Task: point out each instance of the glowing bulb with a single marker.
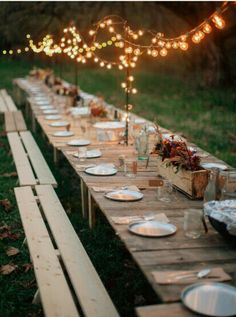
(131, 78)
(207, 28)
(154, 40)
(183, 38)
(140, 33)
(88, 54)
(91, 32)
(218, 21)
(104, 44)
(183, 46)
(161, 43)
(63, 39)
(109, 22)
(65, 30)
(84, 61)
(11, 52)
(26, 49)
(4, 52)
(123, 85)
(113, 38)
(78, 59)
(19, 51)
(95, 59)
(135, 58)
(149, 51)
(102, 64)
(28, 36)
(109, 42)
(132, 65)
(111, 29)
(121, 57)
(163, 52)
(108, 66)
(168, 45)
(137, 51)
(102, 25)
(118, 36)
(134, 91)
(154, 53)
(81, 50)
(121, 67)
(175, 45)
(128, 50)
(135, 36)
(93, 48)
(121, 44)
(99, 46)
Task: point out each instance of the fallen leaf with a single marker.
(5, 227)
(12, 174)
(11, 251)
(27, 267)
(6, 204)
(29, 284)
(4, 235)
(8, 269)
(9, 235)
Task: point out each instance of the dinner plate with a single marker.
(101, 170)
(63, 133)
(83, 111)
(124, 195)
(78, 142)
(90, 154)
(214, 165)
(152, 228)
(109, 125)
(59, 124)
(50, 111)
(53, 117)
(210, 299)
(46, 107)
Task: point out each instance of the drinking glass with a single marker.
(164, 191)
(130, 168)
(229, 188)
(193, 225)
(82, 154)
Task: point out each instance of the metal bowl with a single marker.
(221, 228)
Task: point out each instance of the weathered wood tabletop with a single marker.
(176, 252)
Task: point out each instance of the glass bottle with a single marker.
(211, 190)
(141, 144)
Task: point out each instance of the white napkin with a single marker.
(125, 220)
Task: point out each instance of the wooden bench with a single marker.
(6, 102)
(165, 310)
(32, 169)
(58, 237)
(14, 121)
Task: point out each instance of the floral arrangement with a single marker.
(98, 109)
(176, 153)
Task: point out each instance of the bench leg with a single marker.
(84, 198)
(55, 155)
(36, 299)
(91, 211)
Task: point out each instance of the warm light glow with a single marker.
(207, 28)
(154, 53)
(140, 32)
(102, 64)
(91, 32)
(137, 51)
(102, 25)
(131, 78)
(183, 46)
(19, 51)
(128, 50)
(163, 52)
(28, 36)
(109, 66)
(11, 52)
(154, 40)
(120, 67)
(168, 45)
(96, 59)
(111, 29)
(134, 91)
(218, 21)
(123, 85)
(4, 52)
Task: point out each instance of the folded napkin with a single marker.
(101, 189)
(188, 277)
(125, 220)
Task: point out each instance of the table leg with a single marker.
(91, 210)
(84, 198)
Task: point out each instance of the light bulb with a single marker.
(88, 54)
(4, 52)
(183, 46)
(207, 28)
(121, 44)
(154, 53)
(111, 29)
(123, 85)
(137, 51)
(131, 78)
(154, 40)
(218, 21)
(149, 51)
(26, 49)
(134, 91)
(95, 59)
(102, 64)
(109, 66)
(28, 36)
(168, 45)
(91, 32)
(163, 52)
(118, 36)
(135, 36)
(19, 51)
(109, 42)
(120, 67)
(102, 25)
(140, 32)
(128, 50)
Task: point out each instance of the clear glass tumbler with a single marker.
(82, 154)
(130, 168)
(193, 224)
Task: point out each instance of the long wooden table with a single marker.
(176, 252)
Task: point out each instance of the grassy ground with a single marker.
(205, 116)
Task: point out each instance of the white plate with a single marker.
(214, 165)
(90, 154)
(152, 228)
(53, 117)
(101, 170)
(78, 142)
(109, 125)
(124, 195)
(59, 124)
(83, 111)
(46, 107)
(210, 299)
(52, 111)
(63, 133)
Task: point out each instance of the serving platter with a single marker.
(152, 228)
(210, 299)
(124, 195)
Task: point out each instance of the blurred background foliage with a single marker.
(212, 62)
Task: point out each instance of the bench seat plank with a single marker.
(54, 291)
(37, 160)
(88, 287)
(3, 107)
(10, 103)
(19, 121)
(23, 167)
(9, 119)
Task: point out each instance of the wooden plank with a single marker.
(10, 103)
(9, 120)
(44, 174)
(3, 107)
(165, 310)
(23, 167)
(19, 121)
(54, 291)
(92, 295)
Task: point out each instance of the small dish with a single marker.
(101, 170)
(50, 111)
(124, 195)
(152, 228)
(63, 133)
(78, 142)
(53, 117)
(59, 124)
